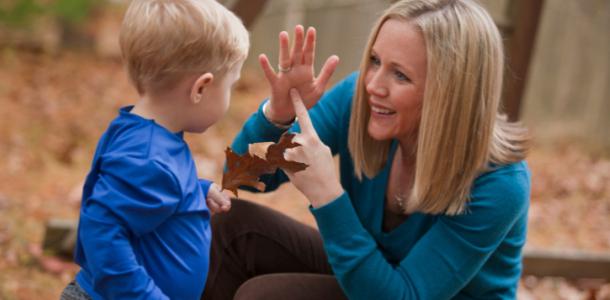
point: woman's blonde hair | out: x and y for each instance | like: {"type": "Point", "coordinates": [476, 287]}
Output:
{"type": "Point", "coordinates": [461, 131]}
{"type": "Point", "coordinates": [164, 40]}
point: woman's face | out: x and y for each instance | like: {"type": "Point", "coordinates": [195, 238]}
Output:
{"type": "Point", "coordinates": [395, 80]}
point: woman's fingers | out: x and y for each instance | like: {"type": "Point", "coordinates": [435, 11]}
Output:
{"type": "Point", "coordinates": [267, 68]}
{"type": "Point", "coordinates": [309, 49]}
{"type": "Point", "coordinates": [291, 154]}
{"type": "Point", "coordinates": [327, 71]}
{"type": "Point", "coordinates": [284, 55]}
{"type": "Point", "coordinates": [297, 48]}
{"type": "Point", "coordinates": [302, 114]}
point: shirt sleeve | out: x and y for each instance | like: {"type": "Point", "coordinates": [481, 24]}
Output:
{"type": "Point", "coordinates": [131, 197]}
{"type": "Point", "coordinates": [440, 264]}
{"type": "Point", "coordinates": [205, 186]}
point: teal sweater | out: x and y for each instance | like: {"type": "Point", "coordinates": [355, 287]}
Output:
{"type": "Point", "coordinates": [476, 255]}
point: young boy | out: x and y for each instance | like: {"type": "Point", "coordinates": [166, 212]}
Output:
{"type": "Point", "coordinates": [144, 223]}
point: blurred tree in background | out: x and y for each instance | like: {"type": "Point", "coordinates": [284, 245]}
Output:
{"type": "Point", "coordinates": [21, 13]}
{"type": "Point", "coordinates": [50, 25]}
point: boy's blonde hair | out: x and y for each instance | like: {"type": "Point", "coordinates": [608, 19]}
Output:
{"type": "Point", "coordinates": [162, 41]}
{"type": "Point", "coordinates": [461, 131]}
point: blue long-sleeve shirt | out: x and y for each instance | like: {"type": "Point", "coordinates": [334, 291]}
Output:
{"type": "Point", "coordinates": [476, 255]}
{"type": "Point", "coordinates": [144, 224]}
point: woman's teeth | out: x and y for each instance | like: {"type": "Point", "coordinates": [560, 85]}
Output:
{"type": "Point", "coordinates": [382, 111]}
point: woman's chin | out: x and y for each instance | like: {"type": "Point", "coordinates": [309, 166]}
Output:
{"type": "Point", "coordinates": [377, 134]}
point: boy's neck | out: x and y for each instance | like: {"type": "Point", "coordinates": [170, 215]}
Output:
{"type": "Point", "coordinates": [163, 109]}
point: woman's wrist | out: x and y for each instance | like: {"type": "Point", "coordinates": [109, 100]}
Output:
{"type": "Point", "coordinates": [324, 198]}
{"type": "Point", "coordinates": [271, 118]}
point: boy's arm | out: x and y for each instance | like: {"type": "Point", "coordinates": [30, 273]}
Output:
{"type": "Point", "coordinates": [112, 262]}
{"type": "Point", "coordinates": [131, 198]}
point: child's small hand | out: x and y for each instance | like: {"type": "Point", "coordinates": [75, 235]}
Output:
{"type": "Point", "coordinates": [217, 201]}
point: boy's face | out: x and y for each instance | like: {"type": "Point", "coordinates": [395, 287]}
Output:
{"type": "Point", "coordinates": [216, 101]}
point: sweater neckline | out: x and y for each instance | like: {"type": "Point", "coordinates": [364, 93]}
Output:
{"type": "Point", "coordinates": [125, 112]}
{"type": "Point", "coordinates": [380, 198]}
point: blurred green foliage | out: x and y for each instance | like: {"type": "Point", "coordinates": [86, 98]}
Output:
{"type": "Point", "coordinates": [21, 13]}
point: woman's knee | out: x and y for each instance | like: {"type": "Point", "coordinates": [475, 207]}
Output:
{"type": "Point", "coordinates": [294, 286]}
{"type": "Point", "coordinates": [264, 287]}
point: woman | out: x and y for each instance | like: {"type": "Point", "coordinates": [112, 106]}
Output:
{"type": "Point", "coordinates": [433, 192]}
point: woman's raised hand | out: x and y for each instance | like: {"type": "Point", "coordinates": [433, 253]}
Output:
{"type": "Point", "coordinates": [295, 70]}
{"type": "Point", "coordinates": [319, 182]}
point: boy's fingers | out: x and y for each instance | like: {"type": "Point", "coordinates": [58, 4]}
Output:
{"type": "Point", "coordinates": [267, 68]}
{"type": "Point", "coordinates": [327, 71]}
{"type": "Point", "coordinates": [226, 200]}
{"type": "Point", "coordinates": [213, 206]}
{"type": "Point", "coordinates": [284, 56]}
{"type": "Point", "coordinates": [297, 47]}
{"type": "Point", "coordinates": [301, 112]}
{"type": "Point", "coordinates": [310, 46]}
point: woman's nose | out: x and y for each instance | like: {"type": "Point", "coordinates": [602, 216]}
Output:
{"type": "Point", "coordinates": [375, 85]}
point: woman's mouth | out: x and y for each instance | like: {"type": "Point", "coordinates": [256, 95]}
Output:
{"type": "Point", "coordinates": [382, 111]}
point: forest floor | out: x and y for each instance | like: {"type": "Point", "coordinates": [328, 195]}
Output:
{"type": "Point", "coordinates": [54, 108]}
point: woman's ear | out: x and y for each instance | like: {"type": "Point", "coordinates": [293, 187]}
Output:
{"type": "Point", "coordinates": [201, 83]}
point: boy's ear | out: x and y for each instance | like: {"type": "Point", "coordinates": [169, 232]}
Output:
{"type": "Point", "coordinates": [202, 82]}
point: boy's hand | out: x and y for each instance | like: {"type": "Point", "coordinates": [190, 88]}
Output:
{"type": "Point", "coordinates": [217, 201]}
{"type": "Point", "coordinates": [295, 70]}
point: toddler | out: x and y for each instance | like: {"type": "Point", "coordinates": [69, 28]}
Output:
{"type": "Point", "coordinates": [144, 230]}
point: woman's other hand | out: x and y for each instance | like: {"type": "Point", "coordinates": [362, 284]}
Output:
{"type": "Point", "coordinates": [295, 70]}
{"type": "Point", "coordinates": [319, 182]}
{"type": "Point", "coordinates": [217, 201]}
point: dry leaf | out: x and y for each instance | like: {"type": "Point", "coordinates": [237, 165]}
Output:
{"type": "Point", "coordinates": [259, 149]}
{"type": "Point", "coordinates": [245, 170]}
{"type": "Point", "coordinates": [275, 154]}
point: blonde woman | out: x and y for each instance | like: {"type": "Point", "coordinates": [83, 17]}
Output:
{"type": "Point", "coordinates": [433, 192]}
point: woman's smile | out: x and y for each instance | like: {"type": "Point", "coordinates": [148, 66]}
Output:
{"type": "Point", "coordinates": [380, 111]}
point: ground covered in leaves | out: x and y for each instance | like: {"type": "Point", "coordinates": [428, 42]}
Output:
{"type": "Point", "coordinates": [54, 108]}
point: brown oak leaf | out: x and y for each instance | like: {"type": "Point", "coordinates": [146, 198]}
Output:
{"type": "Point", "coordinates": [275, 154]}
{"type": "Point", "coordinates": [245, 170]}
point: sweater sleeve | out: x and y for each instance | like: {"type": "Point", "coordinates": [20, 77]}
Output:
{"type": "Point", "coordinates": [441, 263]}
{"type": "Point", "coordinates": [131, 197]}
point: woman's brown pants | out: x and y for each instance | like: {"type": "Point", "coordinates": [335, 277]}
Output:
{"type": "Point", "coordinates": [259, 253]}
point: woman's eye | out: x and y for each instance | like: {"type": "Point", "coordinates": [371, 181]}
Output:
{"type": "Point", "coordinates": [400, 76]}
{"type": "Point", "coordinates": [375, 60]}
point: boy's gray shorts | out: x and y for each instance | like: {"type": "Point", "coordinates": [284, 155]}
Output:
{"type": "Point", "coordinates": [74, 292]}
